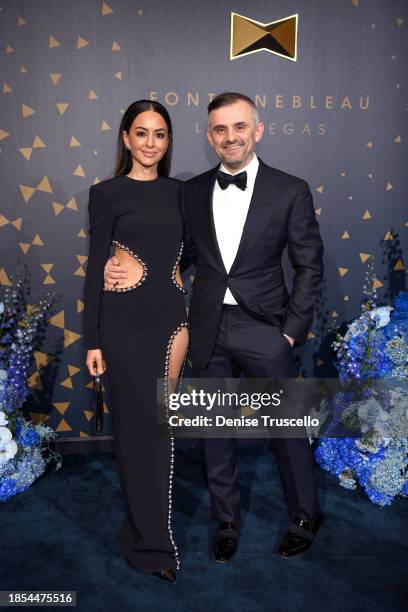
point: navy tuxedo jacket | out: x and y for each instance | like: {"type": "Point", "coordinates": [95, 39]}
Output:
{"type": "Point", "coordinates": [281, 214]}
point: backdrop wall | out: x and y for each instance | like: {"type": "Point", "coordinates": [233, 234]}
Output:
{"type": "Point", "coordinates": [337, 117]}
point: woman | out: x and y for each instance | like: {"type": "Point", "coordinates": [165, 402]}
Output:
{"type": "Point", "coordinates": [140, 330]}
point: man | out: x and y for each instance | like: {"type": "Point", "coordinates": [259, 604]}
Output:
{"type": "Point", "coordinates": [241, 216]}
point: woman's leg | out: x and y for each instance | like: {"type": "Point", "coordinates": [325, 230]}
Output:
{"type": "Point", "coordinates": [137, 354]}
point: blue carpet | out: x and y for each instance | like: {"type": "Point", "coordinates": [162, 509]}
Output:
{"type": "Point", "coordinates": [61, 534]}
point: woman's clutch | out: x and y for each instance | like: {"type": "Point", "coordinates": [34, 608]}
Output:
{"type": "Point", "coordinates": [98, 401]}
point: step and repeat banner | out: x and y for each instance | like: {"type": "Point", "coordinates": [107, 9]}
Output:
{"type": "Point", "coordinates": [329, 79]}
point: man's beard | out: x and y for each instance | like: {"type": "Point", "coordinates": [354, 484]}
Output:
{"type": "Point", "coordinates": [233, 164]}
{"type": "Point", "coordinates": [236, 163]}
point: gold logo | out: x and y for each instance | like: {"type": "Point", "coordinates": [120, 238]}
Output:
{"type": "Point", "coordinates": [250, 36]}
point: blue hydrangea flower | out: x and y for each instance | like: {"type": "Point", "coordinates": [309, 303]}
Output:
{"type": "Point", "coordinates": [374, 347]}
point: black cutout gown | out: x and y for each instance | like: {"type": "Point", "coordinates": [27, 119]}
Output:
{"type": "Point", "coordinates": [135, 327]}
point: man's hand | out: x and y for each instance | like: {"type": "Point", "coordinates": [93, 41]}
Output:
{"type": "Point", "coordinates": [289, 339]}
{"type": "Point", "coordinates": [114, 274]}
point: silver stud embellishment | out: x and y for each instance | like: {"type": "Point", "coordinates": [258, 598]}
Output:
{"type": "Point", "coordinates": [166, 401]}
{"type": "Point", "coordinates": [173, 274]}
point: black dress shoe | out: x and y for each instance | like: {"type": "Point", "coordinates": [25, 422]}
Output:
{"type": "Point", "coordinates": [225, 542]}
{"type": "Point", "coordinates": [168, 574]}
{"type": "Point", "coordinates": [299, 537]}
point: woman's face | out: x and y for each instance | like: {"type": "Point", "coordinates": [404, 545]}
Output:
{"type": "Point", "coordinates": [148, 138]}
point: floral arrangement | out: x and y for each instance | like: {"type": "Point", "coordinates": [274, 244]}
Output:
{"type": "Point", "coordinates": [372, 413]}
{"type": "Point", "coordinates": [24, 449]}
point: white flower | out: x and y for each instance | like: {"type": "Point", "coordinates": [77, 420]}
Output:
{"type": "Point", "coordinates": [5, 436]}
{"type": "Point", "coordinates": [381, 316]}
{"type": "Point", "coordinates": [398, 398]}
{"type": "Point", "coordinates": [372, 416]}
{"type": "Point", "coordinates": [3, 375]}
{"type": "Point", "coordinates": [1, 308]}
{"type": "Point", "coordinates": [356, 328]}
{"type": "Point", "coordinates": [8, 451]}
{"type": "Point", "coordinates": [3, 418]}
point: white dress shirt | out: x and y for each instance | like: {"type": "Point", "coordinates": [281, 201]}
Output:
{"type": "Point", "coordinates": [230, 209]}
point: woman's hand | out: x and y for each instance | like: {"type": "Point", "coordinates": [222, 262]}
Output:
{"type": "Point", "coordinates": [114, 274]}
{"type": "Point", "coordinates": [95, 362]}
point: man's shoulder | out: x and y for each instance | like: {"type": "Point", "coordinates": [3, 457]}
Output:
{"type": "Point", "coordinates": [203, 178]}
{"type": "Point", "coordinates": [266, 174]}
{"type": "Point", "coordinates": [280, 176]}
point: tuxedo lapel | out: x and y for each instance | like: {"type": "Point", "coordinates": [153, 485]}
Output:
{"type": "Point", "coordinates": [207, 225]}
{"type": "Point", "coordinates": [258, 213]}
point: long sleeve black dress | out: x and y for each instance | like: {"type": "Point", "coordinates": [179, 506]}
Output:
{"type": "Point", "coordinates": [135, 328]}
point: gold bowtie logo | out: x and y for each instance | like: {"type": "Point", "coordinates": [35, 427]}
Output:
{"type": "Point", "coordinates": [250, 36]}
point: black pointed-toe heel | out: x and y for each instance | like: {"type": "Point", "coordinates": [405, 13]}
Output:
{"type": "Point", "coordinates": [168, 574]}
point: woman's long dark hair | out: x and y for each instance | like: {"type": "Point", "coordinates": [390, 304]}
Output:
{"type": "Point", "coordinates": [124, 162]}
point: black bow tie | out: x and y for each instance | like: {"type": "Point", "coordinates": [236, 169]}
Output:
{"type": "Point", "coordinates": [224, 180]}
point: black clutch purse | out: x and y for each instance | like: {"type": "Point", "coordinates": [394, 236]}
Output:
{"type": "Point", "coordinates": [98, 402]}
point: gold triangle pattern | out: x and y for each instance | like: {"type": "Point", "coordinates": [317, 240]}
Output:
{"type": "Point", "coordinates": [33, 239]}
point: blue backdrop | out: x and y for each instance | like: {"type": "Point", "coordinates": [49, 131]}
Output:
{"type": "Point", "coordinates": [337, 117]}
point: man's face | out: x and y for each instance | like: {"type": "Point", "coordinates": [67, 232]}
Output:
{"type": "Point", "coordinates": [233, 133]}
